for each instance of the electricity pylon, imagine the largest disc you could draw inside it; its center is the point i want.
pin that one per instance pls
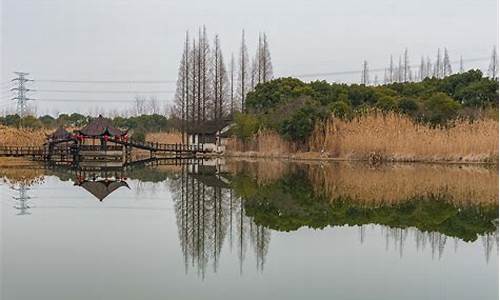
(21, 90)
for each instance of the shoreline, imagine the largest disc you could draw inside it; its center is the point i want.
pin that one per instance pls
(9, 162)
(318, 158)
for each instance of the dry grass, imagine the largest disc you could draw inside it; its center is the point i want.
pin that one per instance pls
(157, 137)
(10, 136)
(264, 144)
(397, 138)
(164, 137)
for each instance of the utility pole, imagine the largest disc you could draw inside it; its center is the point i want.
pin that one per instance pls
(21, 90)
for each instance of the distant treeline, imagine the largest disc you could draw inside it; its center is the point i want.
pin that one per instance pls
(292, 107)
(142, 123)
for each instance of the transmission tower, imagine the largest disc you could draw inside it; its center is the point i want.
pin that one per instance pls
(23, 199)
(21, 89)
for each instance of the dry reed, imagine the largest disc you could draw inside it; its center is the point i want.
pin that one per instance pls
(10, 136)
(265, 143)
(173, 137)
(397, 138)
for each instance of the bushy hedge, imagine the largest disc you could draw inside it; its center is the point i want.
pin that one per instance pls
(292, 107)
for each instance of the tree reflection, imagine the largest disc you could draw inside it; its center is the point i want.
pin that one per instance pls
(208, 214)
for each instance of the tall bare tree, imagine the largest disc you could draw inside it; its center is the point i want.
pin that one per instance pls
(493, 67)
(220, 82)
(438, 66)
(422, 69)
(406, 66)
(232, 84)
(243, 72)
(391, 70)
(446, 63)
(365, 78)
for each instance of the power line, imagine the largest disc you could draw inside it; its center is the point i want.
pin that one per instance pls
(109, 81)
(106, 91)
(85, 100)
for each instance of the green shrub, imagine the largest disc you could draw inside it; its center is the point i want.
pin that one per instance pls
(246, 125)
(139, 135)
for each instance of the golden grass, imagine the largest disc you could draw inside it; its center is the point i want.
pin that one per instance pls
(164, 137)
(265, 143)
(398, 138)
(10, 136)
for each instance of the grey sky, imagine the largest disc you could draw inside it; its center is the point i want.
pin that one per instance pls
(142, 40)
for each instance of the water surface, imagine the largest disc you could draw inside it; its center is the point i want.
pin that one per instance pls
(251, 230)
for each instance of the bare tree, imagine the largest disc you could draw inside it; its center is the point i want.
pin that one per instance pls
(243, 73)
(428, 67)
(400, 71)
(422, 69)
(220, 82)
(406, 66)
(438, 66)
(365, 79)
(265, 66)
(446, 63)
(140, 105)
(154, 105)
(391, 70)
(493, 67)
(232, 84)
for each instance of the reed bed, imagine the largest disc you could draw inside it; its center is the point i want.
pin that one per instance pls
(265, 143)
(10, 136)
(173, 137)
(393, 137)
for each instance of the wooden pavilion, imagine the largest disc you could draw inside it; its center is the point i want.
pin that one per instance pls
(96, 146)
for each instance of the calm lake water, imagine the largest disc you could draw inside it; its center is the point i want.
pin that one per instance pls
(250, 230)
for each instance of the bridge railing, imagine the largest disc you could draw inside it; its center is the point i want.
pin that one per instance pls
(154, 146)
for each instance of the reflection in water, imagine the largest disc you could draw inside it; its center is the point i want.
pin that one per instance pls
(208, 214)
(240, 203)
(22, 199)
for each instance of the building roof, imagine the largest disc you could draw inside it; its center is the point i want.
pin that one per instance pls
(102, 188)
(59, 134)
(101, 126)
(207, 127)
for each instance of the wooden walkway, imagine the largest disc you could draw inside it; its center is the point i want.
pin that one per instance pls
(16, 151)
(42, 153)
(158, 147)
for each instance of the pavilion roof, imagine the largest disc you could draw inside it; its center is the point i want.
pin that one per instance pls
(101, 126)
(59, 134)
(207, 127)
(102, 188)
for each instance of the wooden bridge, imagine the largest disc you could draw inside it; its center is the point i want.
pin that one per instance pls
(75, 153)
(16, 151)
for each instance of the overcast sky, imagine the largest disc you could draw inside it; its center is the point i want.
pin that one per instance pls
(142, 40)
